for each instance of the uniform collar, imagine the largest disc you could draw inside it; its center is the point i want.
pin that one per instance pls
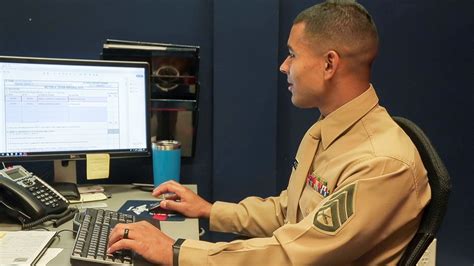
(315, 130)
(345, 116)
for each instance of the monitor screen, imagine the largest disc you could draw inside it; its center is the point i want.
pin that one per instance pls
(63, 109)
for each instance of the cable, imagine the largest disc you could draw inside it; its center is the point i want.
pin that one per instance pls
(56, 234)
(60, 219)
(66, 217)
(63, 230)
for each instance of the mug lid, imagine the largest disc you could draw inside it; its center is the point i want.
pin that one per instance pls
(167, 145)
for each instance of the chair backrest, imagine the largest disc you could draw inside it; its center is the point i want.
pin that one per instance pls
(440, 184)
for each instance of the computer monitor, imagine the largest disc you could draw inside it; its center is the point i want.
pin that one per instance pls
(63, 109)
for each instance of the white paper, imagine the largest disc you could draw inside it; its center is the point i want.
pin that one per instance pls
(86, 205)
(22, 247)
(87, 197)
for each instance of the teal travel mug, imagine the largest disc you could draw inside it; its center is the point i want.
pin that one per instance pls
(166, 157)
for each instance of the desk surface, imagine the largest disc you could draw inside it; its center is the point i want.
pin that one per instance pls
(189, 228)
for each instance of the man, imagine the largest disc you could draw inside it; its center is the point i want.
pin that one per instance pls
(357, 188)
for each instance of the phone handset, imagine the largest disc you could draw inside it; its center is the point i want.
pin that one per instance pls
(34, 198)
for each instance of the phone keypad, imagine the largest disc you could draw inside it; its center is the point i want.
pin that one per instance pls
(45, 195)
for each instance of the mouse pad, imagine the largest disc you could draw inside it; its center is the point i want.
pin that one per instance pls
(140, 208)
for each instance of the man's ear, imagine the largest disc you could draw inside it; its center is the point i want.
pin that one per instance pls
(331, 64)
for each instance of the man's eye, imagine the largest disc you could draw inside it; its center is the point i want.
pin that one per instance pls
(291, 55)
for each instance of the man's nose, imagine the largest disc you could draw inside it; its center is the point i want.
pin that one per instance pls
(284, 67)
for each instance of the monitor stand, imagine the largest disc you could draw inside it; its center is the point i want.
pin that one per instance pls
(65, 171)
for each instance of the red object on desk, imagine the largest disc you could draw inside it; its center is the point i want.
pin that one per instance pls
(160, 216)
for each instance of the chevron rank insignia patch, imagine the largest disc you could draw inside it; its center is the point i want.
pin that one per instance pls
(295, 164)
(336, 211)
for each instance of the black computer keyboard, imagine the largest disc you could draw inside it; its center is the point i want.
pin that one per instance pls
(93, 229)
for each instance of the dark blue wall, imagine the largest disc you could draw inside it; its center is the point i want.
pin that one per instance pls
(245, 98)
(248, 130)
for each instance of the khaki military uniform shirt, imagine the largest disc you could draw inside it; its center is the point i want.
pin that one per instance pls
(355, 196)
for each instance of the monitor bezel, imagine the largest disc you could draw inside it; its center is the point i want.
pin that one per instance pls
(81, 155)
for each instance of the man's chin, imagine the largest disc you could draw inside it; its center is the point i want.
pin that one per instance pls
(301, 104)
(296, 103)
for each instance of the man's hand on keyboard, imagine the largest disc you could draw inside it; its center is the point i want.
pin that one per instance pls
(143, 238)
(184, 200)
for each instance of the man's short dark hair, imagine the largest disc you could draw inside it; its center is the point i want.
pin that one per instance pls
(343, 25)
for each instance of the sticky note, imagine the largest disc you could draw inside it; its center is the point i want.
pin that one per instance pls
(97, 165)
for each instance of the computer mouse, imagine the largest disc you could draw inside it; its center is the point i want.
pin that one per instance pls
(156, 208)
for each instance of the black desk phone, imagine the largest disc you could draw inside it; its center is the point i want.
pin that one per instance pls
(29, 199)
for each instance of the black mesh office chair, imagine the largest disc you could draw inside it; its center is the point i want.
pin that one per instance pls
(440, 184)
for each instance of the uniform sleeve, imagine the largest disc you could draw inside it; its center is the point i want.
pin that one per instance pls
(252, 216)
(378, 207)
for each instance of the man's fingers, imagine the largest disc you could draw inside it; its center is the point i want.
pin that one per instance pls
(169, 186)
(130, 231)
(171, 205)
(124, 244)
(171, 196)
(118, 231)
(160, 189)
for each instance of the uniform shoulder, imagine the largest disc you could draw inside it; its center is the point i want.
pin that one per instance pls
(387, 139)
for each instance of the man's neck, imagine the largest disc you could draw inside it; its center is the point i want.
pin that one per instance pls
(342, 94)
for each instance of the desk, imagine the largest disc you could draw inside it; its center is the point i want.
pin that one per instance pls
(189, 228)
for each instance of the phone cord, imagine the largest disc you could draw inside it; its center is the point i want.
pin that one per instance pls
(68, 213)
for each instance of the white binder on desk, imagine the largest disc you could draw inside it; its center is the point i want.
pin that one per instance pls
(23, 247)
